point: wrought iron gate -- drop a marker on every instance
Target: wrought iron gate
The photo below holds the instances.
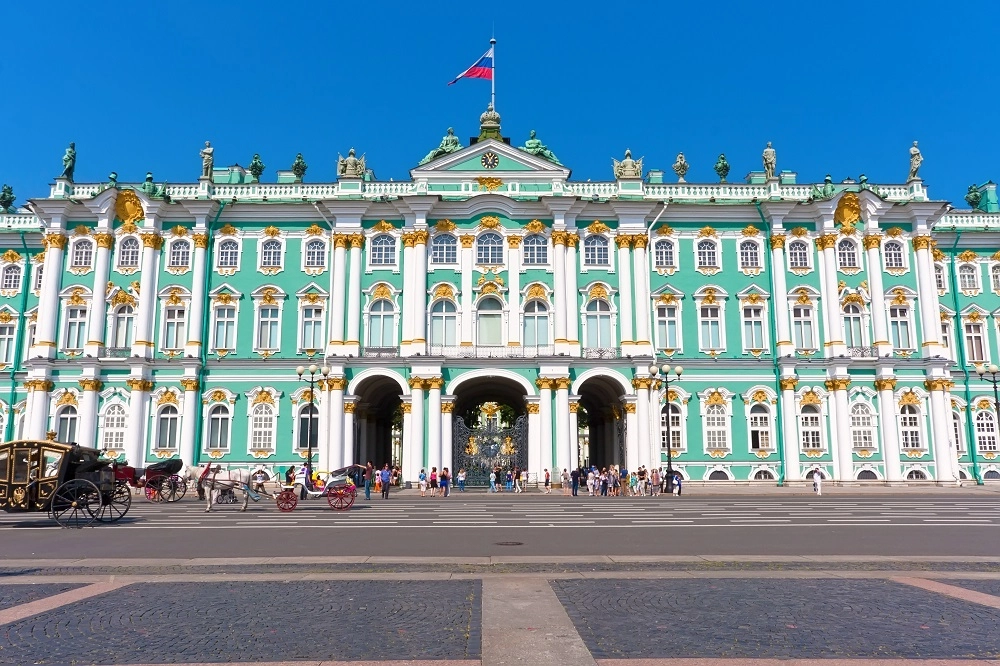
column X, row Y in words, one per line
column 479, row 450
column 621, row 432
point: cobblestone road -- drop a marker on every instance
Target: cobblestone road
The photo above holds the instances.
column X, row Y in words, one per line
column 15, row 595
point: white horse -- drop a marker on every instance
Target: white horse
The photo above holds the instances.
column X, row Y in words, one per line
column 214, row 480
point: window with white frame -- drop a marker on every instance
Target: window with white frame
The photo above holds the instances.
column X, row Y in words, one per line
column 536, row 324
column 76, row 327
column 716, row 428
column 535, row 250
column 83, row 254
column 946, row 335
column 909, row 427
column 219, row 422
column 444, row 324
column 229, row 254
column 167, row 427
column 383, row 250
column 899, row 327
column 798, row 254
column 940, row 281
column 986, row 431
column 710, row 328
column 11, row 278
column 128, row 253
column 760, row 428
column 312, row 327
column 995, row 277
column 270, row 253
column 968, row 277
column 957, row 431
column 892, row 255
column 267, row 327
column 598, row 321
column 122, row 327
column 308, row 428
column 174, row 327
column 262, row 428
column 667, row 326
column 489, row 248
column 854, row 329
column 810, row 428
column 39, row 271
column 180, row 254
column 29, row 339
column 381, row 324
column 708, row 254
column 749, row 255
column 115, row 422
column 444, row 249
column 66, row 422
column 225, row 327
column 975, row 342
column 7, row 341
column 663, row 254
column 753, row 327
column 862, row 426
column 802, row 327
column 315, row 253
column 595, row 251
column 676, row 433
column 847, row 254
column 489, row 322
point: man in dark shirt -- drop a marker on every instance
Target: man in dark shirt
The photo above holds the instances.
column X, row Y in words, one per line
column 575, row 477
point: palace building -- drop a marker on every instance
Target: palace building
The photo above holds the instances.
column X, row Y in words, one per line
column 491, row 310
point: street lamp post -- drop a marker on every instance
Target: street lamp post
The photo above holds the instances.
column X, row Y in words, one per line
column 655, row 371
column 312, row 370
column 992, row 370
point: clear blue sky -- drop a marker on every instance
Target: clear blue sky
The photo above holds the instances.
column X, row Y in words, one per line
column 840, row 89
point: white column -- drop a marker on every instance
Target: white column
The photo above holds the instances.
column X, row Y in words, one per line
column 468, row 298
column 832, row 320
column 642, row 417
column 354, row 292
column 559, row 278
column 99, row 304
column 793, row 468
column 890, row 433
column 880, row 325
column 626, row 336
column 632, row 456
column 39, row 394
column 87, row 432
column 322, row 402
column 48, row 301
column 545, row 427
column 336, row 386
column 564, row 454
column 514, row 290
column 337, row 305
column 447, row 435
column 533, row 407
column 574, row 432
column 135, row 429
column 411, row 462
column 407, row 327
column 435, row 457
column 418, row 297
column 569, row 304
column 843, row 450
column 349, row 458
column 779, row 299
column 196, row 313
column 944, row 454
column 643, row 299
column 927, row 297
column 189, row 419
column 143, row 344
column 416, row 451
column 832, row 433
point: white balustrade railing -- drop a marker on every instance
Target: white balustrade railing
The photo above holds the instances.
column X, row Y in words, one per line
column 19, row 221
column 967, row 220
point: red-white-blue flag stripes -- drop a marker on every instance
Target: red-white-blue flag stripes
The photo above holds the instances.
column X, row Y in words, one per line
column 482, row 69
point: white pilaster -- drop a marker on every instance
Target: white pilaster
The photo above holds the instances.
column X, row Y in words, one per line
column 793, row 468
column 944, row 455
column 48, row 301
column 87, row 431
column 833, row 345
column 349, row 457
column 880, row 326
column 435, row 441
column 98, row 304
column 928, row 302
column 189, row 419
column 135, row 429
column 336, row 386
column 196, row 312
column 564, row 455
column 339, row 295
column 354, row 294
column 411, row 461
column 514, row 290
column 779, row 302
column 447, row 434
column 632, row 428
column 468, row 298
column 625, row 292
column 39, row 397
column 416, row 451
column 533, row 407
column 888, row 427
column 642, row 417
column 643, row 298
column 570, row 302
column 843, row 449
column 559, row 278
column 323, row 404
column 574, row 432
column 418, row 297
column 545, row 427
column 152, row 241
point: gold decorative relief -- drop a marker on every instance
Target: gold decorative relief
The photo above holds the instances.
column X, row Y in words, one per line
column 444, row 291
column 381, row 291
column 750, row 231
column 271, row 231
column 128, row 207
column 598, row 291
column 707, row 232
column 314, row 230
column 444, row 226
column 382, row 225
column 489, row 183
column 227, row 230
column 534, row 227
column 810, row 398
column 665, row 230
column 598, row 227
column 909, row 398
column 537, row 291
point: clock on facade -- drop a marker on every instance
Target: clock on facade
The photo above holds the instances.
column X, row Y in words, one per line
column 490, row 160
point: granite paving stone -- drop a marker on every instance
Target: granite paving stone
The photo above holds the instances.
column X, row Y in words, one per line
column 15, row 595
column 986, row 586
column 747, row 618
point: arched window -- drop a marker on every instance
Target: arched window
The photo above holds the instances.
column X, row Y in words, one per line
column 798, row 254
column 167, row 426
column 308, row 428
column 536, row 324
column 444, row 249
column 763, row 475
column 489, row 248
column 915, row 475
column 270, row 254
column 892, row 253
column 867, row 475
column 716, row 435
column 115, row 421
column 847, row 254
column 760, row 428
column 229, row 254
column 383, row 250
column 595, row 251
column 315, row 254
column 66, row 419
column 218, row 428
column 749, row 254
column 381, row 320
column 123, row 327
column 986, row 431
column 663, row 253
column 862, row 426
column 262, row 428
column 676, row 432
column 810, row 431
column 708, row 254
column 535, row 250
column 11, row 277
column 992, row 475
column 489, row 325
column 853, row 327
column 909, row 427
column 128, row 253
column 598, row 323
column 180, row 254
column 995, row 277
column 718, row 475
column 444, row 324
column 968, row 277
column 83, row 254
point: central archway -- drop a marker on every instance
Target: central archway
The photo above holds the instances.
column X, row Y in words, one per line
column 489, row 427
column 602, row 432
column 378, row 421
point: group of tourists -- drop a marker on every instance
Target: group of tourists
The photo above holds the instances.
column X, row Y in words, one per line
column 438, row 481
column 615, row 481
column 511, row 480
column 381, row 479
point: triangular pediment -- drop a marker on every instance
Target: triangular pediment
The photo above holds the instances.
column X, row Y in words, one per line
column 489, row 158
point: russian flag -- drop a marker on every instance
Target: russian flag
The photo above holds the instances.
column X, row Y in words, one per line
column 482, row 69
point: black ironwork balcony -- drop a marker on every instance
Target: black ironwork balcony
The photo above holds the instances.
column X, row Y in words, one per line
column 380, row 352
column 491, row 351
column 602, row 352
column 867, row 351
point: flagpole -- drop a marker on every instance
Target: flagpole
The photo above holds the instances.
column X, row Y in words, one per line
column 493, row 79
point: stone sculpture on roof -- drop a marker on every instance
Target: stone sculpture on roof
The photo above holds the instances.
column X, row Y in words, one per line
column 207, row 160
column 770, row 159
column 449, row 144
column 534, row 146
column 69, row 163
column 350, row 166
column 916, row 159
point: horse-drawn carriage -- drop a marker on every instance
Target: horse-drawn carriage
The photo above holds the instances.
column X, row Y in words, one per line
column 339, row 487
column 160, row 481
column 73, row 484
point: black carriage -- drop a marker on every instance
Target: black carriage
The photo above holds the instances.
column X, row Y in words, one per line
column 73, row 484
column 160, row 481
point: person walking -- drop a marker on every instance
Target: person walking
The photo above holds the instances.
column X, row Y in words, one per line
column 654, row 481
column 590, row 481
column 422, row 481
column 517, row 480
column 818, row 482
column 493, row 481
column 384, row 476
column 460, row 478
column 575, row 480
column 434, row 481
column 445, row 480
column 678, row 482
column 369, row 473
column 548, row 481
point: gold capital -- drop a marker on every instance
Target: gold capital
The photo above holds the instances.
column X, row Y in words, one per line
column 55, row 240
column 189, row 384
column 152, row 240
column 885, row 384
column 104, row 240
column 357, row 241
column 90, row 384
column 788, row 383
column 826, row 241
column 872, row 241
column 922, row 242
column 420, row 237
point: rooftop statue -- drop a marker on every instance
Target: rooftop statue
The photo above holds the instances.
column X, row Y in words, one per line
column 534, row 146
column 7, row 199
column 449, row 144
column 722, row 168
column 148, row 187
column 973, row 197
column 865, row 185
column 681, row 167
column 207, row 160
column 350, row 166
column 256, row 167
column 299, row 167
column 628, row 168
column 825, row 191
column 770, row 159
column 112, row 180
column 69, row 163
column 916, row 159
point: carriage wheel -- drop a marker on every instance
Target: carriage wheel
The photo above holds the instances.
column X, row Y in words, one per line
column 338, row 499
column 75, row 503
column 117, row 504
column 154, row 487
column 170, row 488
column 181, row 486
column 352, row 494
column 287, row 501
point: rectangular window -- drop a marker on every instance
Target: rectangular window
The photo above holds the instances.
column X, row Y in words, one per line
column 6, row 343
column 666, row 326
column 225, row 327
column 174, row 328
column 675, row 428
column 711, row 327
column 974, row 343
column 76, row 328
column 267, row 328
column 802, row 327
column 312, row 328
column 38, row 277
column 753, row 327
column 899, row 323
column 939, row 280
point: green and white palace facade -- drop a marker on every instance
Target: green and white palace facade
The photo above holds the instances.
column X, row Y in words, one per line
column 831, row 327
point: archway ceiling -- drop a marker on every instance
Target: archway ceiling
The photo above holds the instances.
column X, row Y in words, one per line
column 490, row 389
